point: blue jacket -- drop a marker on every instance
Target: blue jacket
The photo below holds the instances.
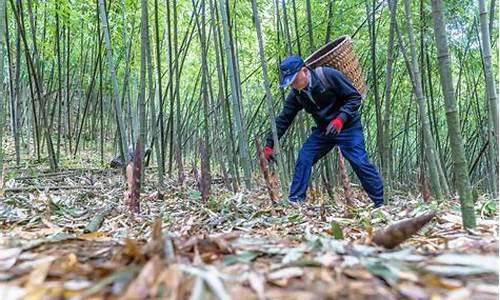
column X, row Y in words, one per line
column 324, row 103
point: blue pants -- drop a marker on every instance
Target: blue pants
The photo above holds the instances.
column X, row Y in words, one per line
column 352, row 145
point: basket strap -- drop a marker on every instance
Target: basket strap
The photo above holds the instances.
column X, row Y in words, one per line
column 324, row 80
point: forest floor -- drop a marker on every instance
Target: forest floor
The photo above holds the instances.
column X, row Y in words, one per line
column 234, row 246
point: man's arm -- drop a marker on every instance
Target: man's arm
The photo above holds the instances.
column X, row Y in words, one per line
column 285, row 118
column 345, row 90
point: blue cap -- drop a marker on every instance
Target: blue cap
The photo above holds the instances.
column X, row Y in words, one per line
column 289, row 68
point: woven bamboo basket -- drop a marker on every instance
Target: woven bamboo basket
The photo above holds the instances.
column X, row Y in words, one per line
column 339, row 54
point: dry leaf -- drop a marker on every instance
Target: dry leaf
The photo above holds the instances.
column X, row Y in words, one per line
column 257, row 281
column 168, row 283
column 412, row 291
column 8, row 258
column 37, row 277
column 459, row 294
column 141, row 287
column 286, row 273
column 441, row 282
column 11, row 292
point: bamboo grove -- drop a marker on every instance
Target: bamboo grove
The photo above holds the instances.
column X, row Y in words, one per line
column 196, row 82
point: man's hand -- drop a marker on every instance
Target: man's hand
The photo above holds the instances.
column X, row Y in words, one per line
column 268, row 154
column 335, row 126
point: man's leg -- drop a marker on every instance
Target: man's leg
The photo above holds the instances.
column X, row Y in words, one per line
column 352, row 145
column 316, row 146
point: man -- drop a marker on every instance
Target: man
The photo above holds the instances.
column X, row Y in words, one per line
column 333, row 102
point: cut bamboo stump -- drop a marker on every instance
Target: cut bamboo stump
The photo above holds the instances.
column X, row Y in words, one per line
column 265, row 171
column 204, row 182
column 346, row 185
column 132, row 196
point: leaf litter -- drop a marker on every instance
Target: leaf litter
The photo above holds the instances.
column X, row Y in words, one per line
column 81, row 242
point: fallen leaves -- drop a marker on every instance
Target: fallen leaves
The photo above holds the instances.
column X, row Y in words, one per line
column 281, row 276
column 11, row 292
column 488, row 263
column 141, row 286
column 234, row 246
column 413, row 291
column 8, row 258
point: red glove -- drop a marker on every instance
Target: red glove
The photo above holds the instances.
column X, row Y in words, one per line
column 335, row 126
column 268, row 153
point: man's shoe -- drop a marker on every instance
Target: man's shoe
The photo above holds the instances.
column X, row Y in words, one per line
column 296, row 202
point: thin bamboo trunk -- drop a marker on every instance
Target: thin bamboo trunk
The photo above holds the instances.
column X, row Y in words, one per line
column 101, row 114
column 329, row 22
column 430, row 100
column 37, row 82
column 161, row 159
column 116, row 93
column 3, row 95
column 267, row 86
column 492, row 18
column 178, row 152
column 376, row 95
column 88, row 96
column 239, row 123
column 414, row 69
column 286, row 27
column 309, row 26
column 13, row 91
column 126, row 80
column 68, row 87
column 491, row 91
column 142, row 89
column 151, row 98
column 456, row 141
column 59, row 84
column 231, row 155
column 386, row 137
column 296, row 25
column 200, row 24
column 170, row 123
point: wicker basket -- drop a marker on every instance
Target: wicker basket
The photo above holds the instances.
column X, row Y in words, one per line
column 340, row 55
